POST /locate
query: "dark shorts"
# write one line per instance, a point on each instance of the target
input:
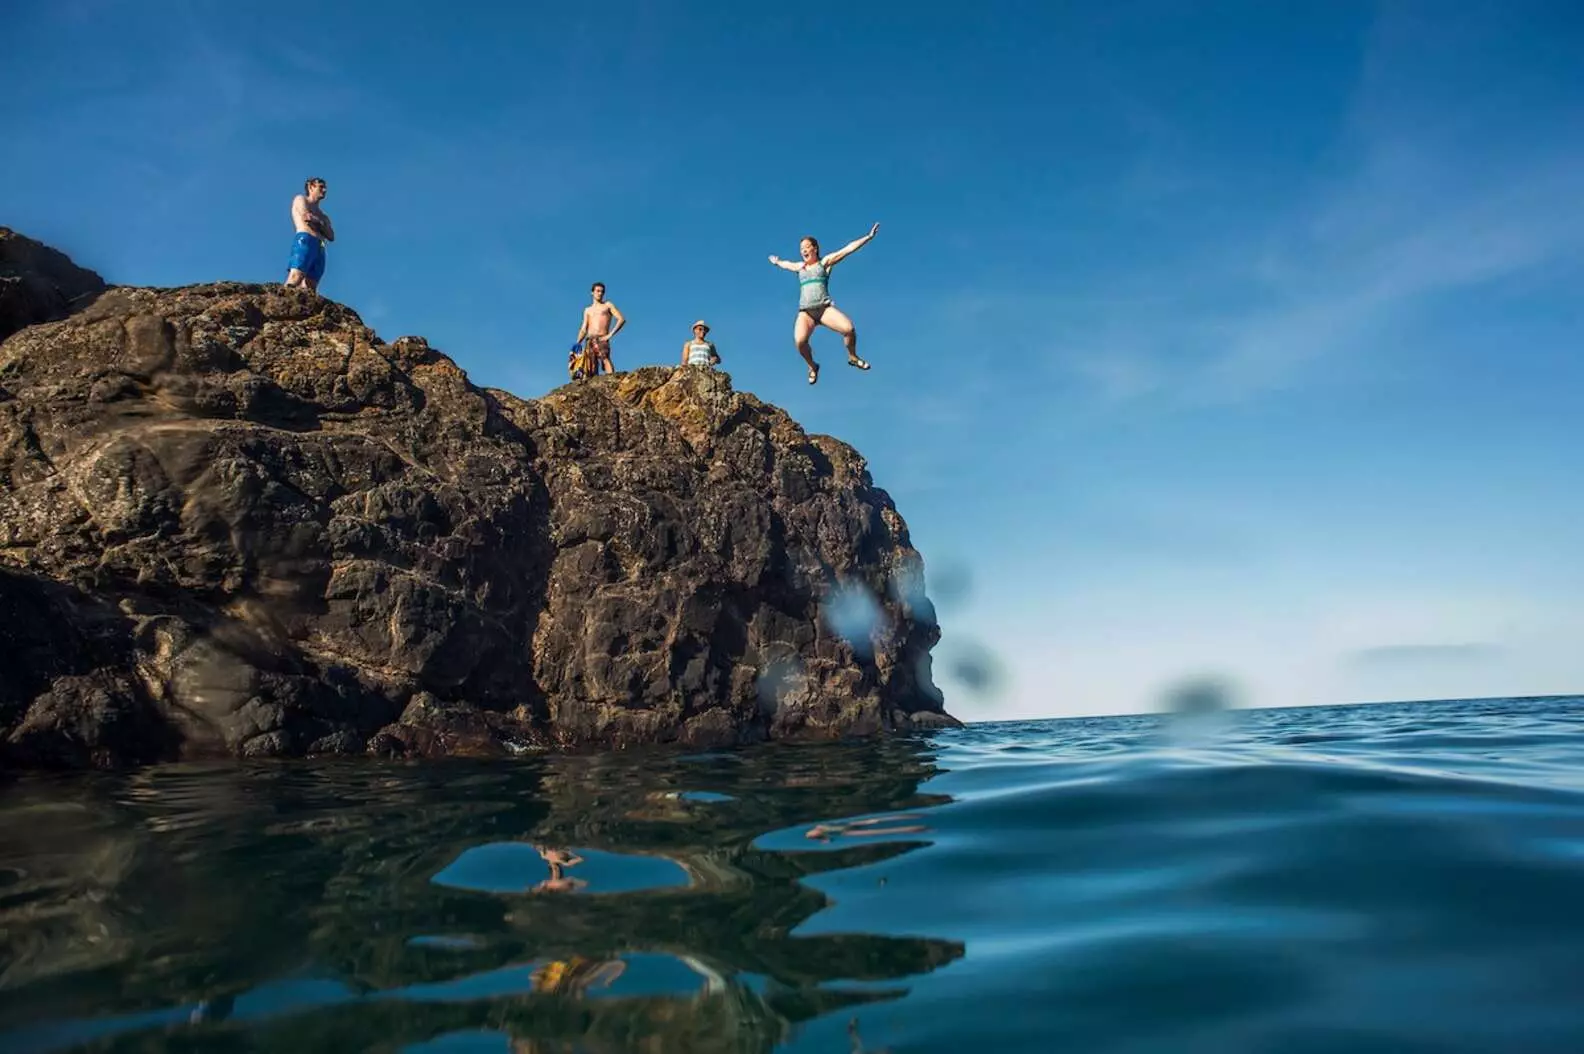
(307, 256)
(814, 311)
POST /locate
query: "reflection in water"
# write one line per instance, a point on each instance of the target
(559, 860)
(512, 867)
(871, 827)
(548, 904)
(1367, 879)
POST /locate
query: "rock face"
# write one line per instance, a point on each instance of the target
(234, 521)
(39, 284)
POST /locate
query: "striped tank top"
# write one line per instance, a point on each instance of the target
(699, 352)
(813, 285)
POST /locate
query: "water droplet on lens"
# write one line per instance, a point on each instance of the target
(852, 613)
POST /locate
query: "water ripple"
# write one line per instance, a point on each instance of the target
(1358, 879)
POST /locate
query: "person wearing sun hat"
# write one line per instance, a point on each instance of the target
(698, 351)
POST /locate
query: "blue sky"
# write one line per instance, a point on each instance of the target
(1232, 338)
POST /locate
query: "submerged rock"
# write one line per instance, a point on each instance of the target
(235, 521)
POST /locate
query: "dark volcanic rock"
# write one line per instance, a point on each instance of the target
(233, 520)
(39, 284)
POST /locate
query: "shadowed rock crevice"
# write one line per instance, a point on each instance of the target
(319, 542)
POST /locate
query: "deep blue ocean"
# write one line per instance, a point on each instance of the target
(1404, 878)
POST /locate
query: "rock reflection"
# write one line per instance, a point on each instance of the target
(587, 902)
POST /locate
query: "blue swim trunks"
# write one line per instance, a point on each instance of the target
(308, 256)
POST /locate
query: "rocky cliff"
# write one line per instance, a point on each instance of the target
(235, 521)
(39, 284)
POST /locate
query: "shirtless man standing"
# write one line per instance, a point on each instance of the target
(596, 327)
(313, 227)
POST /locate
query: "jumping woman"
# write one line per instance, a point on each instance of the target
(814, 302)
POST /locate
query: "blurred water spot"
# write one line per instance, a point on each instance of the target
(1200, 710)
(906, 585)
(209, 680)
(780, 680)
(951, 581)
(972, 666)
(1203, 694)
(948, 581)
(853, 614)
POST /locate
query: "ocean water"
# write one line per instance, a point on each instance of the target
(1394, 878)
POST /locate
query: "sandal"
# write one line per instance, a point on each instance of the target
(857, 363)
(813, 374)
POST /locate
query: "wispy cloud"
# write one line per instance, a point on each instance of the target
(1164, 164)
(966, 403)
(1383, 245)
(1392, 655)
(171, 128)
(1119, 376)
(1422, 208)
(233, 85)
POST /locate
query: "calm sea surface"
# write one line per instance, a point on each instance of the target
(1398, 878)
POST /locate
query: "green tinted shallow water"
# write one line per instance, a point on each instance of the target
(1399, 878)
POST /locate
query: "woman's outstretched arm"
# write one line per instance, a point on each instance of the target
(785, 265)
(851, 247)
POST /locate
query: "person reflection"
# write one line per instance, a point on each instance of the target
(872, 827)
(856, 1041)
(558, 861)
(575, 975)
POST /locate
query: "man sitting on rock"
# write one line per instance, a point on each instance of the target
(698, 351)
(596, 327)
(313, 230)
